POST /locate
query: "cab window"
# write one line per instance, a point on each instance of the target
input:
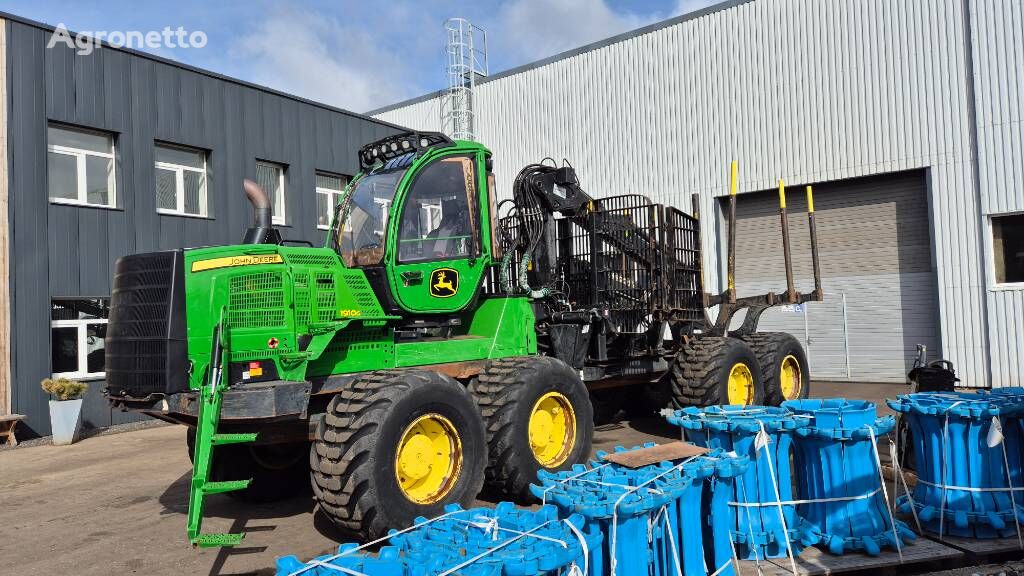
(438, 221)
(360, 238)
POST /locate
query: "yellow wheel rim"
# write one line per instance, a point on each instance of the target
(741, 384)
(790, 378)
(428, 459)
(552, 429)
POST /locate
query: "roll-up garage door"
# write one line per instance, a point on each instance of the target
(875, 251)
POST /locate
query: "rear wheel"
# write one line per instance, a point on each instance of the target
(538, 416)
(714, 370)
(396, 445)
(278, 471)
(783, 365)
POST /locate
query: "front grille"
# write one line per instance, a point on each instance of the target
(146, 347)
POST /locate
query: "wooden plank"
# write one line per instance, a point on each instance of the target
(816, 562)
(5, 301)
(11, 417)
(980, 546)
(655, 454)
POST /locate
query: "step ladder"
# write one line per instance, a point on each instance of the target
(211, 394)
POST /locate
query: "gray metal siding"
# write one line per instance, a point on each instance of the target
(875, 248)
(806, 90)
(69, 251)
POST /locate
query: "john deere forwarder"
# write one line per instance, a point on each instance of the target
(430, 346)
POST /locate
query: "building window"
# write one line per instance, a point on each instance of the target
(1008, 248)
(80, 166)
(77, 329)
(328, 193)
(180, 180)
(270, 177)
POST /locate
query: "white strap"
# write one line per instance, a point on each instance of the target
(750, 529)
(664, 517)
(1009, 481)
(812, 501)
(942, 461)
(615, 509)
(894, 457)
(489, 551)
(881, 479)
(490, 526)
(778, 498)
(955, 488)
(544, 494)
(574, 570)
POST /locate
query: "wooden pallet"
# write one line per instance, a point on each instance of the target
(814, 562)
(980, 546)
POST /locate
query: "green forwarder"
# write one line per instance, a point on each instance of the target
(428, 346)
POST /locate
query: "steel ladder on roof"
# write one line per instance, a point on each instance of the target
(211, 395)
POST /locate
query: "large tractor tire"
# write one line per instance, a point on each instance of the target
(783, 365)
(396, 445)
(538, 416)
(278, 471)
(714, 370)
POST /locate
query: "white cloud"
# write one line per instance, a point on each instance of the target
(320, 58)
(534, 29)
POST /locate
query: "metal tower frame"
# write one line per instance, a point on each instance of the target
(466, 52)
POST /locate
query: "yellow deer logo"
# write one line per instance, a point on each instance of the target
(444, 283)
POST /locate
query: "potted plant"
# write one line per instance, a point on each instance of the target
(65, 408)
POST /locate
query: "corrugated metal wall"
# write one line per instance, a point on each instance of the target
(807, 90)
(997, 27)
(61, 251)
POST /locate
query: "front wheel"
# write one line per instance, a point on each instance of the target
(395, 445)
(538, 417)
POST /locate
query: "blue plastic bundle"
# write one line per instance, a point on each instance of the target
(1014, 430)
(757, 527)
(500, 541)
(651, 517)
(350, 560)
(838, 471)
(961, 443)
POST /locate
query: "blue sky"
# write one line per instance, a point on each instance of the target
(355, 54)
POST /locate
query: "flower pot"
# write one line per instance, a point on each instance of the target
(65, 420)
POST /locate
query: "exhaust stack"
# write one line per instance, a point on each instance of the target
(262, 230)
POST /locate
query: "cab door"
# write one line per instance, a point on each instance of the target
(437, 258)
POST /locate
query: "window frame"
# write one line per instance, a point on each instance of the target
(472, 199)
(280, 217)
(333, 196)
(82, 334)
(996, 285)
(179, 181)
(81, 175)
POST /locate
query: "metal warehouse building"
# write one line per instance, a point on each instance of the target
(118, 152)
(907, 117)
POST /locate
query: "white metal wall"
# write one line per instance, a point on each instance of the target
(997, 27)
(807, 90)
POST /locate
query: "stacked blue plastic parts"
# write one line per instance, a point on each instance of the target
(654, 518)
(757, 527)
(1014, 431)
(500, 541)
(838, 470)
(964, 487)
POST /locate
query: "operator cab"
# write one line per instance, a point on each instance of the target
(412, 221)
